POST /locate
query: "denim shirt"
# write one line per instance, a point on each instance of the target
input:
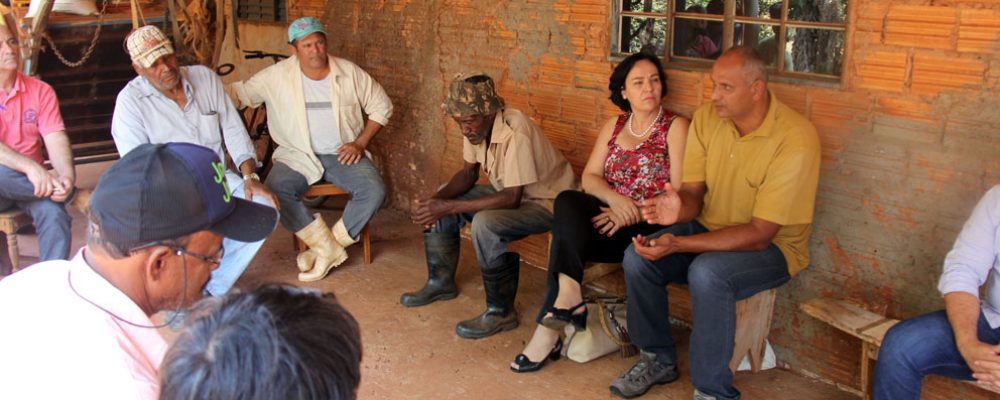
(974, 261)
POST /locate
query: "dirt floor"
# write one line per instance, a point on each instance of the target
(415, 354)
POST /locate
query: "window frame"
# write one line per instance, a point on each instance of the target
(729, 19)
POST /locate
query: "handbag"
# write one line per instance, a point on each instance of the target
(605, 333)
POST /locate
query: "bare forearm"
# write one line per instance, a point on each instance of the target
(743, 237)
(497, 201)
(963, 315)
(460, 183)
(371, 128)
(14, 160)
(248, 167)
(691, 203)
(598, 187)
(60, 154)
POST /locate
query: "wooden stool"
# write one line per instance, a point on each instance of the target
(10, 222)
(329, 189)
(753, 324)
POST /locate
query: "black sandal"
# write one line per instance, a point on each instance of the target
(526, 365)
(560, 317)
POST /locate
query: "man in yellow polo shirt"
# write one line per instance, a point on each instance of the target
(740, 225)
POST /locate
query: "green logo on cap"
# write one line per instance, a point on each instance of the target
(220, 178)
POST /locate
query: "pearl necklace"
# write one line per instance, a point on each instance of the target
(650, 128)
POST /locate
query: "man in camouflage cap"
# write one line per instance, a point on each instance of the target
(525, 172)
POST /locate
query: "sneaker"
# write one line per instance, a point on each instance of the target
(642, 376)
(702, 396)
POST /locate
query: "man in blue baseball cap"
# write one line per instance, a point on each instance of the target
(314, 112)
(157, 219)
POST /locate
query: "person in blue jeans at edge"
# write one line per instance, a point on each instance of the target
(739, 225)
(961, 341)
(167, 103)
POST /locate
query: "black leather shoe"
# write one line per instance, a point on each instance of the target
(526, 365)
(560, 317)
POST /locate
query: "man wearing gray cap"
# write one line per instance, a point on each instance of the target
(168, 103)
(526, 173)
(314, 112)
(82, 328)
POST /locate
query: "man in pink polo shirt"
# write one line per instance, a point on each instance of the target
(29, 117)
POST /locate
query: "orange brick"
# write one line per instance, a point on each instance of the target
(561, 135)
(921, 26)
(978, 31)
(555, 71)
(545, 101)
(871, 16)
(592, 74)
(684, 91)
(580, 106)
(793, 96)
(909, 109)
(882, 70)
(933, 74)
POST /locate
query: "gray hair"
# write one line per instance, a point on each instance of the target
(754, 67)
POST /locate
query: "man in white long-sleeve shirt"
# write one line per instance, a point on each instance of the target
(314, 112)
(167, 103)
(963, 340)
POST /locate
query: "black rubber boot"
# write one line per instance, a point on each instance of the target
(501, 287)
(442, 261)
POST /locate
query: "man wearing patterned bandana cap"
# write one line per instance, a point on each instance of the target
(525, 172)
(170, 103)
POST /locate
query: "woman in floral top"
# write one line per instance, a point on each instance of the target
(635, 157)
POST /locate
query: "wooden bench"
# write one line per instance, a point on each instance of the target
(10, 222)
(862, 324)
(753, 316)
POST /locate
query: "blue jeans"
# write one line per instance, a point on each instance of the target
(492, 230)
(717, 280)
(361, 180)
(237, 254)
(51, 220)
(918, 347)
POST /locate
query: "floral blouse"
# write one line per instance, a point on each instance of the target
(639, 173)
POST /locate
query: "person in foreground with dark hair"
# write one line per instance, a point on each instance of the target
(81, 329)
(276, 342)
(635, 157)
(739, 225)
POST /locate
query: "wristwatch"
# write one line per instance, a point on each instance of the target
(252, 175)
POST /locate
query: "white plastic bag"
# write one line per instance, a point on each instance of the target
(769, 361)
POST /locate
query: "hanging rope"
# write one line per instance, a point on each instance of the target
(90, 49)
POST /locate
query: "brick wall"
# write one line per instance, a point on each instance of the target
(910, 139)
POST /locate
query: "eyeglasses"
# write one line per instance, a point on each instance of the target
(217, 260)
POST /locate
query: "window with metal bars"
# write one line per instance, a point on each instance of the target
(262, 10)
(797, 38)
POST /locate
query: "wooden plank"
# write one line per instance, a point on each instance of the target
(875, 333)
(842, 315)
(594, 271)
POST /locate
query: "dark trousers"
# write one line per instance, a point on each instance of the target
(575, 241)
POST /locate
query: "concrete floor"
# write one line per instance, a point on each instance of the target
(415, 354)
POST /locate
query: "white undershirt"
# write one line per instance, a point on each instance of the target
(324, 131)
